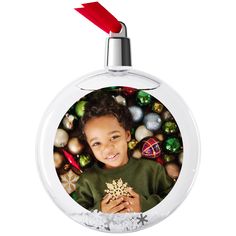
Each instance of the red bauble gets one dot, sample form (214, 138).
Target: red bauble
(128, 91)
(151, 148)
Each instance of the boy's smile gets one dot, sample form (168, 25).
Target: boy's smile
(108, 140)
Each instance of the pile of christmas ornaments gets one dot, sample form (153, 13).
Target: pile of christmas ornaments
(155, 136)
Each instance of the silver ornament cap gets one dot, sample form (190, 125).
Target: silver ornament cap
(118, 53)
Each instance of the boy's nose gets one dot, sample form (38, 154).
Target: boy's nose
(108, 148)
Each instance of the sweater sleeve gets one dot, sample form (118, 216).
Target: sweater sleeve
(84, 194)
(163, 185)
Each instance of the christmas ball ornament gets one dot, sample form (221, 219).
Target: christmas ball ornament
(68, 121)
(172, 145)
(170, 127)
(151, 148)
(79, 108)
(132, 144)
(84, 160)
(142, 132)
(136, 112)
(152, 121)
(137, 154)
(75, 146)
(143, 98)
(172, 170)
(157, 107)
(151, 103)
(121, 100)
(127, 91)
(58, 159)
(167, 116)
(61, 138)
(160, 137)
(168, 158)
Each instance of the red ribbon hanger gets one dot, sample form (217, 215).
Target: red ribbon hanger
(98, 15)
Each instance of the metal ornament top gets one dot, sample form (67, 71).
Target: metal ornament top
(118, 53)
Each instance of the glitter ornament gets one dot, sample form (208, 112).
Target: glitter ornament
(172, 145)
(152, 121)
(151, 148)
(151, 102)
(136, 112)
(170, 127)
(143, 98)
(127, 91)
(84, 160)
(132, 144)
(157, 107)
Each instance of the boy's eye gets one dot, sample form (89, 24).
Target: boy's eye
(95, 144)
(115, 137)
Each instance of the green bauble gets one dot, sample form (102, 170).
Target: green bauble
(84, 160)
(170, 127)
(173, 145)
(79, 108)
(143, 98)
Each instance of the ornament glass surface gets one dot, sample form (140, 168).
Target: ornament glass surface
(66, 99)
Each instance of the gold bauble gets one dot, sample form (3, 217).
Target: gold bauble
(137, 154)
(58, 159)
(75, 146)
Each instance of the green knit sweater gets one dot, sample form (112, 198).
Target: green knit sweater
(146, 177)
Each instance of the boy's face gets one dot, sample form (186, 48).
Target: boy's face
(108, 140)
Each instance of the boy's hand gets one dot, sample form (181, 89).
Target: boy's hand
(113, 206)
(134, 202)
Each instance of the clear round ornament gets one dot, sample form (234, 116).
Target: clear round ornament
(121, 77)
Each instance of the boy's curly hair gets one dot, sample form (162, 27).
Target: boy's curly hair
(101, 103)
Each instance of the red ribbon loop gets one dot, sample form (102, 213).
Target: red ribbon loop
(98, 15)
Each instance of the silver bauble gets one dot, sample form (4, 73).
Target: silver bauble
(136, 112)
(152, 121)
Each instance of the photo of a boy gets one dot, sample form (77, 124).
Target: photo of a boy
(117, 182)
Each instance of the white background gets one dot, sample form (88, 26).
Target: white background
(191, 45)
